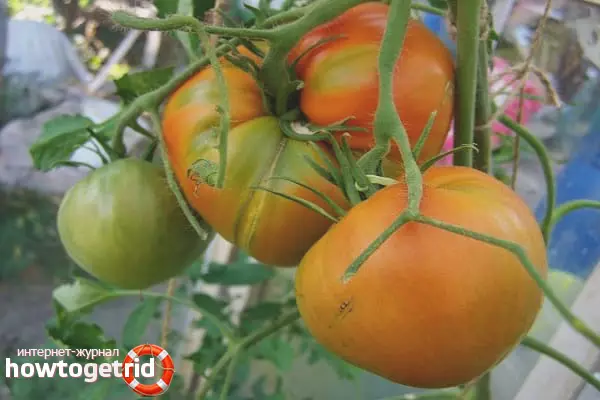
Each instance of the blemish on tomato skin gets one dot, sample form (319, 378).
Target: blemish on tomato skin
(345, 308)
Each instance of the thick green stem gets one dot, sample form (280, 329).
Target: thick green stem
(275, 70)
(467, 25)
(540, 151)
(546, 350)
(452, 8)
(483, 387)
(229, 376)
(177, 22)
(483, 112)
(577, 324)
(247, 33)
(387, 125)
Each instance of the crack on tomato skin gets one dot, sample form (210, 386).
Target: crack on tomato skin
(253, 222)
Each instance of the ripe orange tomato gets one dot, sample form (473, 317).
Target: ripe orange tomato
(341, 79)
(429, 308)
(270, 228)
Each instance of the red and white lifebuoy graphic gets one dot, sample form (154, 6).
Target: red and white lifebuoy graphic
(168, 370)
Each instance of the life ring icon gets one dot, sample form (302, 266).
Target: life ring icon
(168, 370)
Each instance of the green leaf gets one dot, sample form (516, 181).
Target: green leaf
(131, 86)
(209, 327)
(60, 138)
(208, 353)
(239, 273)
(68, 332)
(166, 7)
(265, 311)
(138, 321)
(253, 317)
(277, 350)
(210, 304)
(82, 295)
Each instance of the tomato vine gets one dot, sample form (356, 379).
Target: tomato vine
(358, 179)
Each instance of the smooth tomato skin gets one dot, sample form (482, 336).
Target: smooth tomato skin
(272, 229)
(429, 308)
(123, 225)
(341, 77)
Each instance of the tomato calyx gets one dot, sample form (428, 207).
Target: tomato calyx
(204, 171)
(355, 184)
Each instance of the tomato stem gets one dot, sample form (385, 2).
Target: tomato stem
(556, 355)
(178, 22)
(483, 389)
(275, 71)
(542, 154)
(483, 112)
(171, 180)
(236, 347)
(229, 376)
(352, 270)
(569, 207)
(155, 97)
(468, 38)
(175, 22)
(576, 323)
(387, 124)
(223, 328)
(431, 162)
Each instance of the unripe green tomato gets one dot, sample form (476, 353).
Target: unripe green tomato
(123, 225)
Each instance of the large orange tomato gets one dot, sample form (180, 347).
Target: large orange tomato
(270, 228)
(429, 308)
(341, 79)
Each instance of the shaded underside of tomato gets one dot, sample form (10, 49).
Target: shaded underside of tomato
(123, 225)
(272, 229)
(341, 77)
(448, 307)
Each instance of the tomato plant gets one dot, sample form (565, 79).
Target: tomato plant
(337, 62)
(123, 225)
(341, 74)
(428, 279)
(448, 307)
